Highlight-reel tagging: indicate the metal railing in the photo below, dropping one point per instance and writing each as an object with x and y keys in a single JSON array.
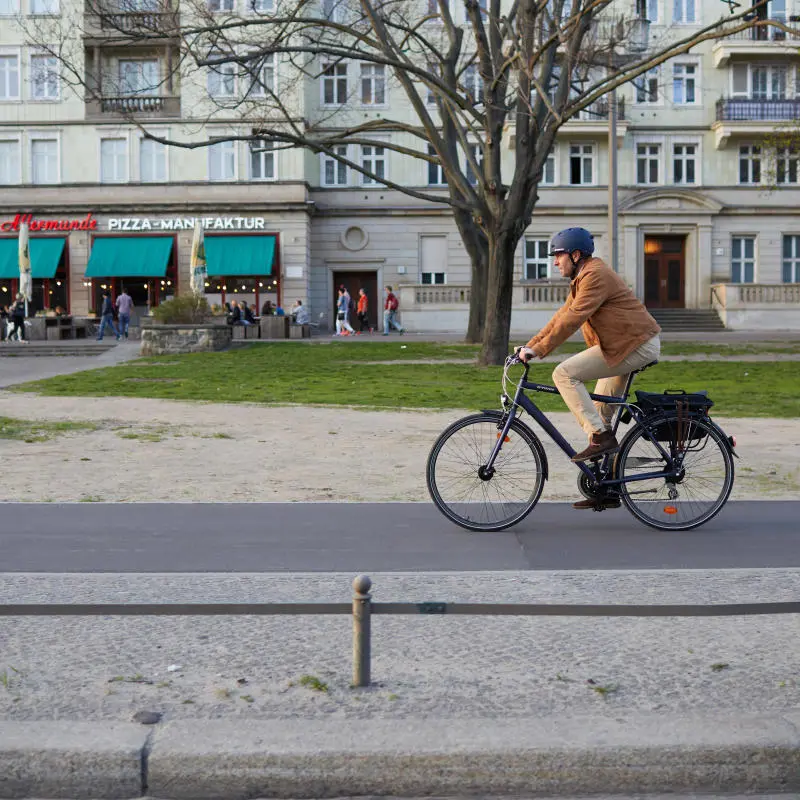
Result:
[
  {"x": 362, "y": 608},
  {"x": 747, "y": 109},
  {"x": 764, "y": 32}
]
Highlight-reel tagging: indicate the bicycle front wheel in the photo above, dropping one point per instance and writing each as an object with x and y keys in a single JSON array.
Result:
[
  {"x": 701, "y": 488},
  {"x": 469, "y": 495}
]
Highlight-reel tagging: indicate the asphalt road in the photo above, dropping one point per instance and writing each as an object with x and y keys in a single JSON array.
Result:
[{"x": 306, "y": 537}]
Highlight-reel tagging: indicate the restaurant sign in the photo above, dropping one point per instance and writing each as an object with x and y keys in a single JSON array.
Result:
[
  {"x": 87, "y": 223},
  {"x": 186, "y": 223}
]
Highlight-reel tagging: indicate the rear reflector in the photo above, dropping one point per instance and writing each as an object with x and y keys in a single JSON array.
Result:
[
  {"x": 670, "y": 510},
  {"x": 505, "y": 439}
]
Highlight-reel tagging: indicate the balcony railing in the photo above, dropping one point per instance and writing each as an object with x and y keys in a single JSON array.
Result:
[
  {"x": 106, "y": 20},
  {"x": 748, "y": 109},
  {"x": 599, "y": 111},
  {"x": 765, "y": 33},
  {"x": 134, "y": 104}
]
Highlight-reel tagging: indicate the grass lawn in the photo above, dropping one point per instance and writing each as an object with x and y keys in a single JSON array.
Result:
[
  {"x": 25, "y": 431},
  {"x": 336, "y": 374}
]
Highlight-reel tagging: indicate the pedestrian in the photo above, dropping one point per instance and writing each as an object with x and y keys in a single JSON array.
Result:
[
  {"x": 390, "y": 306},
  {"x": 247, "y": 315},
  {"x": 107, "y": 316},
  {"x": 343, "y": 327},
  {"x": 3, "y": 322},
  {"x": 124, "y": 305},
  {"x": 17, "y": 316},
  {"x": 235, "y": 317},
  {"x": 363, "y": 317}
]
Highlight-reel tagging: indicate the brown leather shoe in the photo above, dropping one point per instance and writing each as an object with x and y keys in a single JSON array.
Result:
[
  {"x": 599, "y": 445},
  {"x": 598, "y": 505}
]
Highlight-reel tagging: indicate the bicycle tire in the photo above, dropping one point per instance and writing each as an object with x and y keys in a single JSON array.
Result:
[
  {"x": 687, "y": 510},
  {"x": 479, "y": 444}
]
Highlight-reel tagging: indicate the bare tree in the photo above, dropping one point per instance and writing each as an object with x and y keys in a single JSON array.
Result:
[{"x": 486, "y": 98}]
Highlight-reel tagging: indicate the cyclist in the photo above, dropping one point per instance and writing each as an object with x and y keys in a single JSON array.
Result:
[{"x": 620, "y": 334}]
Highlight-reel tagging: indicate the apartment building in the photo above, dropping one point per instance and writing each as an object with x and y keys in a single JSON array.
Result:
[{"x": 708, "y": 213}]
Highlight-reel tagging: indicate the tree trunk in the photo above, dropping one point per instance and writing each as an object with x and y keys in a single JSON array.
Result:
[
  {"x": 499, "y": 288},
  {"x": 477, "y": 299}
]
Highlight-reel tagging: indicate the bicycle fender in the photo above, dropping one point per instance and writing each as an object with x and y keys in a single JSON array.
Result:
[
  {"x": 728, "y": 439},
  {"x": 492, "y": 412}
]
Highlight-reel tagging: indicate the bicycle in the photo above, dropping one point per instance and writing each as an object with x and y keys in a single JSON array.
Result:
[{"x": 673, "y": 470}]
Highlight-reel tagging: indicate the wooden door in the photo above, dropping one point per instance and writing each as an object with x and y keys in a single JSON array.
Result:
[
  {"x": 354, "y": 280},
  {"x": 664, "y": 272}
]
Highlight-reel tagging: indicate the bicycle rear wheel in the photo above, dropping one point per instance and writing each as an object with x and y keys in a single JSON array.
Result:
[
  {"x": 695, "y": 496},
  {"x": 473, "y": 499}
]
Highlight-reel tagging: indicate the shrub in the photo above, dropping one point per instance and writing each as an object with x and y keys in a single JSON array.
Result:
[{"x": 187, "y": 308}]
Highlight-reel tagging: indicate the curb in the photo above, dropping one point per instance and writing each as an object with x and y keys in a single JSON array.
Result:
[{"x": 303, "y": 758}]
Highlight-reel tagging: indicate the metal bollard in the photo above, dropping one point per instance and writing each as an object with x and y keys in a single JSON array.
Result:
[{"x": 362, "y": 613}]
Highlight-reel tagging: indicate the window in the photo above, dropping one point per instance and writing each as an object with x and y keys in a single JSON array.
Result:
[
  {"x": 262, "y": 6},
  {"x": 434, "y": 69},
  {"x": 222, "y": 161},
  {"x": 581, "y": 164},
  {"x": 684, "y": 163},
  {"x": 45, "y": 80},
  {"x": 684, "y": 12},
  {"x": 433, "y": 278},
  {"x": 537, "y": 260},
  {"x": 648, "y": 159},
  {"x": 10, "y": 162},
  {"x": 436, "y": 175},
  {"x": 473, "y": 84},
  {"x": 335, "y": 173},
  {"x": 49, "y": 7},
  {"x": 786, "y": 159},
  {"x": 373, "y": 158},
  {"x": 333, "y": 10},
  {"x": 791, "y": 259},
  {"x": 749, "y": 163},
  {"x": 263, "y": 76},
  {"x": 113, "y": 160},
  {"x": 220, "y": 5},
  {"x": 152, "y": 161},
  {"x": 262, "y": 160},
  {"x": 9, "y": 77},
  {"x": 9, "y": 8},
  {"x": 684, "y": 84},
  {"x": 647, "y": 87},
  {"x": 651, "y": 9},
  {"x": 334, "y": 84},
  {"x": 222, "y": 80},
  {"x": 138, "y": 77},
  {"x": 768, "y": 83},
  {"x": 373, "y": 84},
  {"x": 549, "y": 171},
  {"x": 743, "y": 259},
  {"x": 476, "y": 152},
  {"x": 44, "y": 161}
]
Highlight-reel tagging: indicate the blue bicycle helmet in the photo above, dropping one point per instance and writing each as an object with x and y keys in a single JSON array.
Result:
[{"x": 571, "y": 239}]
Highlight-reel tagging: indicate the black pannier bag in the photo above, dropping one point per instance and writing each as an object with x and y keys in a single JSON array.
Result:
[{"x": 683, "y": 408}]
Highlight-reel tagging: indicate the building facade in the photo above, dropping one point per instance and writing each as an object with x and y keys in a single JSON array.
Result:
[{"x": 708, "y": 213}]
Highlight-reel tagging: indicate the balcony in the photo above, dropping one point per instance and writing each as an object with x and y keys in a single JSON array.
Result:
[
  {"x": 750, "y": 117},
  {"x": 138, "y": 106},
  {"x": 762, "y": 41},
  {"x": 102, "y": 24}
]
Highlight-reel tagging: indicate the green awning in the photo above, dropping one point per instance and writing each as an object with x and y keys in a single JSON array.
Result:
[
  {"x": 129, "y": 257},
  {"x": 239, "y": 255},
  {"x": 45, "y": 257}
]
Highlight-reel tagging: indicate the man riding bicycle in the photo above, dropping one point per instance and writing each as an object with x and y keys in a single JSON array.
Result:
[{"x": 620, "y": 334}]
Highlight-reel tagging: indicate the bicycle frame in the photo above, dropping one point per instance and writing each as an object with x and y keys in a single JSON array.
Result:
[{"x": 521, "y": 400}]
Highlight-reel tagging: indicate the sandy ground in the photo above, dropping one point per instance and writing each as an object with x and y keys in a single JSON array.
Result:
[{"x": 159, "y": 450}]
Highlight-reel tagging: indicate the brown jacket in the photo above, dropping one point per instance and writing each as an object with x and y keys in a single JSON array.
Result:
[{"x": 608, "y": 312}]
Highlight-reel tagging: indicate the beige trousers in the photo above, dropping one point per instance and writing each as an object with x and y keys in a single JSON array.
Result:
[{"x": 572, "y": 373}]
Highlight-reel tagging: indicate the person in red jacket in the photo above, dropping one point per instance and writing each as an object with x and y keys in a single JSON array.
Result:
[
  {"x": 390, "y": 306},
  {"x": 361, "y": 311}
]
